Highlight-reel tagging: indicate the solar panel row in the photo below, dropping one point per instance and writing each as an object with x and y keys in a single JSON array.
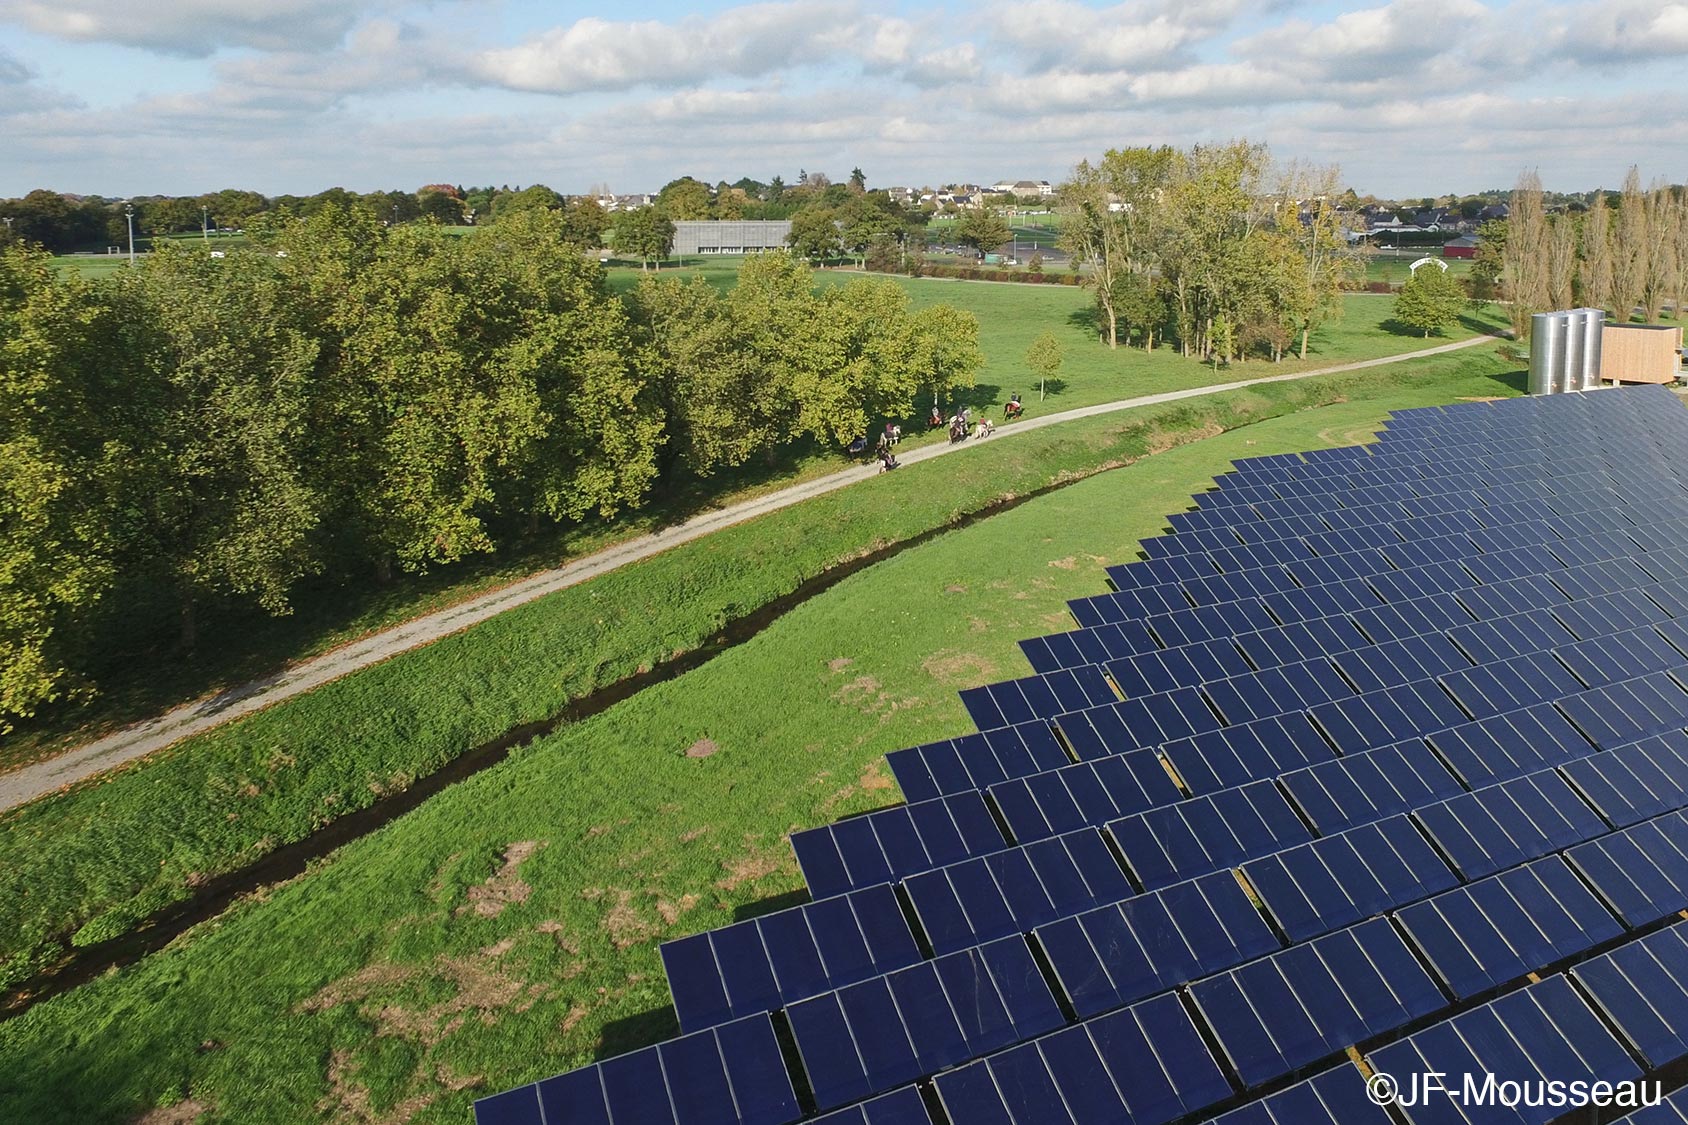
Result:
[{"x": 1437, "y": 679}]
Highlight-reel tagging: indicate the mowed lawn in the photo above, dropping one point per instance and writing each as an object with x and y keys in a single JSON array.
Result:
[
  {"x": 1011, "y": 316},
  {"x": 508, "y": 929}
]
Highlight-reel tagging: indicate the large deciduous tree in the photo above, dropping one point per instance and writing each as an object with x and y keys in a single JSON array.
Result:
[
  {"x": 684, "y": 198},
  {"x": 815, "y": 234},
  {"x": 984, "y": 229},
  {"x": 220, "y": 370},
  {"x": 644, "y": 233},
  {"x": 56, "y": 462}
]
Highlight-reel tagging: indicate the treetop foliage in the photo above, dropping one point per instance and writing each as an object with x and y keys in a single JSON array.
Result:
[
  {"x": 1212, "y": 246},
  {"x": 349, "y": 396}
]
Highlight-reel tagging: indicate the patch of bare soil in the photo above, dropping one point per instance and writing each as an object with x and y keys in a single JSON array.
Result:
[
  {"x": 503, "y": 886},
  {"x": 182, "y": 1113},
  {"x": 702, "y": 748},
  {"x": 670, "y": 912},
  {"x": 758, "y": 862},
  {"x": 347, "y": 1100},
  {"x": 625, "y": 925},
  {"x": 839, "y": 664},
  {"x": 950, "y": 667},
  {"x": 873, "y": 778},
  {"x": 1068, "y": 563},
  {"x": 483, "y": 990}
]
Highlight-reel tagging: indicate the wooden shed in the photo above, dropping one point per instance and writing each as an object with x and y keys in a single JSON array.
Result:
[{"x": 1640, "y": 353}]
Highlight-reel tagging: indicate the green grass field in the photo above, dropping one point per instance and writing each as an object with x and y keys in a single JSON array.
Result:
[
  {"x": 1396, "y": 270},
  {"x": 508, "y": 928}
]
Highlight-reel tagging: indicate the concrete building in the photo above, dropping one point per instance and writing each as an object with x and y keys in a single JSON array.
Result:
[{"x": 730, "y": 236}]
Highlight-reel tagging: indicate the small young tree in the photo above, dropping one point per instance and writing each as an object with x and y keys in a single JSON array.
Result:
[
  {"x": 1044, "y": 358},
  {"x": 1430, "y": 300}
]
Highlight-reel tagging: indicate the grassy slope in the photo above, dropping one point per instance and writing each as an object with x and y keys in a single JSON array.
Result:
[
  {"x": 404, "y": 967},
  {"x": 88, "y": 864},
  {"x": 246, "y": 645}
]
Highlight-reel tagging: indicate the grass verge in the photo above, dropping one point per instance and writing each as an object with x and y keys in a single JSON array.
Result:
[{"x": 508, "y": 928}]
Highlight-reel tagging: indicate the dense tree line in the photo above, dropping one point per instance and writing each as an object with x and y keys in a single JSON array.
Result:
[
  {"x": 348, "y": 397},
  {"x": 1208, "y": 247},
  {"x": 1629, "y": 258}
]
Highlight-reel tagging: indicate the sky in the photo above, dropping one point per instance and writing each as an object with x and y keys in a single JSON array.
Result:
[{"x": 1409, "y": 98}]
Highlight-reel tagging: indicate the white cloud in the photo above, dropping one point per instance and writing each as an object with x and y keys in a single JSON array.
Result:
[
  {"x": 951, "y": 65},
  {"x": 1367, "y": 44},
  {"x": 1047, "y": 35},
  {"x": 193, "y": 27},
  {"x": 749, "y": 41}
]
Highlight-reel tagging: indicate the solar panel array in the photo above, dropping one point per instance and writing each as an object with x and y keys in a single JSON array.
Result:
[{"x": 1380, "y": 758}]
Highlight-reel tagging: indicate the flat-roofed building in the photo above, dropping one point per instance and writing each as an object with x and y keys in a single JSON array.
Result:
[{"x": 730, "y": 236}]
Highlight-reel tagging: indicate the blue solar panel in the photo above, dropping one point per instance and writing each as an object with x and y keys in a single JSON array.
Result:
[
  {"x": 887, "y": 845},
  {"x": 1286, "y": 1011},
  {"x": 1671, "y": 1110},
  {"x": 885, "y": 1032},
  {"x": 1086, "y": 793},
  {"x": 1628, "y": 711},
  {"x": 1379, "y": 718},
  {"x": 1403, "y": 661},
  {"x": 1146, "y": 1065},
  {"x": 1274, "y": 691},
  {"x": 1335, "y": 1097},
  {"x": 1540, "y": 1033},
  {"x": 1122, "y": 953},
  {"x": 901, "y": 1107},
  {"x": 1175, "y": 842},
  {"x": 1234, "y": 755},
  {"x": 1634, "y": 783},
  {"x": 1332, "y": 882},
  {"x": 1360, "y": 788},
  {"x": 1640, "y": 872},
  {"x": 1010, "y": 892},
  {"x": 767, "y": 962},
  {"x": 1186, "y": 666},
  {"x": 1503, "y": 825},
  {"x": 685, "y": 1081},
  {"x": 1642, "y": 988},
  {"x": 1481, "y": 936},
  {"x": 975, "y": 761},
  {"x": 1510, "y": 745},
  {"x": 1507, "y": 685}
]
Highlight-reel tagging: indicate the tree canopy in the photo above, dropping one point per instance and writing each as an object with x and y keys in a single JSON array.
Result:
[
  {"x": 1430, "y": 300},
  {"x": 348, "y": 395}
]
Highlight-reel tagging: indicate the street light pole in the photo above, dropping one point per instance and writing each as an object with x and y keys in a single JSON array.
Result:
[
  {"x": 205, "y": 224},
  {"x": 129, "y": 215}
]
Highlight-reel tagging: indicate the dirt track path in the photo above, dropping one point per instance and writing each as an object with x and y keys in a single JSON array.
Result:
[{"x": 26, "y": 784}]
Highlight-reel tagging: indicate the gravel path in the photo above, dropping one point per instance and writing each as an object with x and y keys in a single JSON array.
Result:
[{"x": 29, "y": 782}]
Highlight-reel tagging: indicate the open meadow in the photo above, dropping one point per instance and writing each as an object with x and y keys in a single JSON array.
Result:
[{"x": 508, "y": 928}]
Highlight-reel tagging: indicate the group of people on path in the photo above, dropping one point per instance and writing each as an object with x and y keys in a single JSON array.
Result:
[{"x": 960, "y": 425}]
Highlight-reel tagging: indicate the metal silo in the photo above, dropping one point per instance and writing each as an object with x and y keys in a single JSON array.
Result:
[
  {"x": 1570, "y": 348},
  {"x": 1547, "y": 349},
  {"x": 1593, "y": 325}
]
